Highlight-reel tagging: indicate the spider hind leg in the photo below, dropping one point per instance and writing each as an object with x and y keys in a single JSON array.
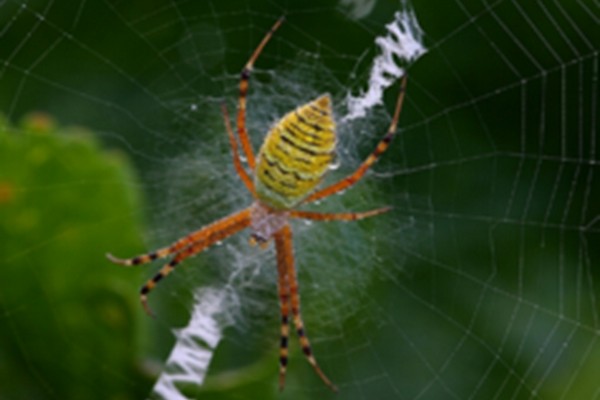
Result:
[
  {"x": 302, "y": 337},
  {"x": 284, "y": 303},
  {"x": 287, "y": 280}
]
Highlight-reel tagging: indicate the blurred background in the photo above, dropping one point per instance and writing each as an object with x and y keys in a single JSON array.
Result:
[{"x": 481, "y": 283}]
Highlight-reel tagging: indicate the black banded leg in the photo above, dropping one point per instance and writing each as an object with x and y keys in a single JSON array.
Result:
[
  {"x": 237, "y": 162},
  {"x": 147, "y": 288},
  {"x": 285, "y": 259},
  {"x": 381, "y": 147},
  {"x": 243, "y": 92},
  {"x": 222, "y": 227},
  {"x": 176, "y": 247},
  {"x": 284, "y": 304},
  {"x": 283, "y": 346},
  {"x": 189, "y": 246},
  {"x": 141, "y": 259},
  {"x": 305, "y": 343}
]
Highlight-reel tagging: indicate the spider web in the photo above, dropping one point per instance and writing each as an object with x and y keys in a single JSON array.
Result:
[{"x": 481, "y": 283}]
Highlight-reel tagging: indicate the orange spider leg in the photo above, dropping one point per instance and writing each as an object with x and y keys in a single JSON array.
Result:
[
  {"x": 348, "y": 216},
  {"x": 186, "y": 247},
  {"x": 382, "y": 146},
  {"x": 211, "y": 234},
  {"x": 245, "y": 76},
  {"x": 237, "y": 163},
  {"x": 196, "y": 236},
  {"x": 284, "y": 302},
  {"x": 284, "y": 240}
]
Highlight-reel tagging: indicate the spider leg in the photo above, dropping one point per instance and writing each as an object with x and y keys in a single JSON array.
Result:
[
  {"x": 284, "y": 240},
  {"x": 200, "y": 235},
  {"x": 211, "y": 234},
  {"x": 245, "y": 76},
  {"x": 382, "y": 146},
  {"x": 347, "y": 216},
  {"x": 284, "y": 302},
  {"x": 237, "y": 163}
]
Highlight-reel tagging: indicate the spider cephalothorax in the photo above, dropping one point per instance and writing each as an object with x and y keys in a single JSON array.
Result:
[
  {"x": 294, "y": 157},
  {"x": 265, "y": 222}
]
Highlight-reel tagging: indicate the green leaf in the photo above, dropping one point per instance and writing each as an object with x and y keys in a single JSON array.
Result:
[{"x": 69, "y": 323}]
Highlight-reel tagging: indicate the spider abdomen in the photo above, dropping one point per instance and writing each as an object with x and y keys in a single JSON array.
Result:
[{"x": 296, "y": 154}]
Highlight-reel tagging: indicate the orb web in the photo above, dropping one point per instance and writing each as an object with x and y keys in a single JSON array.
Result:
[{"x": 481, "y": 283}]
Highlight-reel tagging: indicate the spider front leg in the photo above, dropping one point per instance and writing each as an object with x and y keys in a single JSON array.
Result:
[
  {"x": 245, "y": 77},
  {"x": 197, "y": 236},
  {"x": 237, "y": 162},
  {"x": 187, "y": 247},
  {"x": 382, "y": 146},
  {"x": 285, "y": 255}
]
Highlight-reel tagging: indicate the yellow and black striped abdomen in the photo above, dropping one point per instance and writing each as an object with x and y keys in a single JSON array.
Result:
[{"x": 296, "y": 154}]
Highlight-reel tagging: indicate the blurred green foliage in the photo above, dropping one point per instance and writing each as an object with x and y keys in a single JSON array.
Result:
[{"x": 67, "y": 320}]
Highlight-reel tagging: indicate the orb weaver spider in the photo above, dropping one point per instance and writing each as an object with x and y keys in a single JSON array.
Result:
[{"x": 293, "y": 159}]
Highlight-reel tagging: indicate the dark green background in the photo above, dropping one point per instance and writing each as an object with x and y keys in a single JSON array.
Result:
[{"x": 482, "y": 280}]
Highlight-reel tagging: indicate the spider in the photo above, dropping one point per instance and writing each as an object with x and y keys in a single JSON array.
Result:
[{"x": 293, "y": 159}]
